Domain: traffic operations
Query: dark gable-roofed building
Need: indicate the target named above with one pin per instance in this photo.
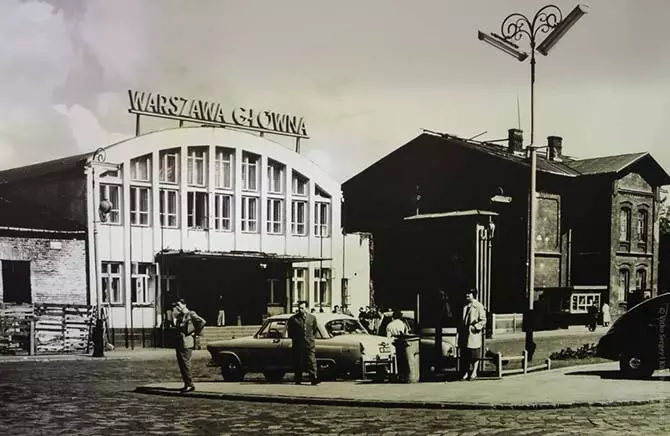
(447, 213)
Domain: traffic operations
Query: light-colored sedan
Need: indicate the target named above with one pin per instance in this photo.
(343, 349)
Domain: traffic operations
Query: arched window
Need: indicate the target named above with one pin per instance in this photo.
(641, 279)
(624, 223)
(642, 225)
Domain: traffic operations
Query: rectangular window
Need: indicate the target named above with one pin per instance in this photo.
(582, 301)
(624, 222)
(624, 284)
(223, 212)
(111, 283)
(299, 218)
(223, 168)
(168, 208)
(275, 178)
(322, 219)
(275, 291)
(112, 193)
(322, 287)
(642, 222)
(168, 167)
(249, 214)
(142, 283)
(197, 210)
(299, 184)
(140, 169)
(299, 285)
(250, 172)
(275, 219)
(139, 206)
(196, 162)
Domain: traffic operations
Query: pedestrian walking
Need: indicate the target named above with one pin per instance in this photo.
(221, 317)
(607, 318)
(302, 328)
(470, 334)
(592, 320)
(188, 324)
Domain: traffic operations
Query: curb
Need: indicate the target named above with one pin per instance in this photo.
(351, 402)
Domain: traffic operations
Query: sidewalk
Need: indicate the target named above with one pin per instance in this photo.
(118, 354)
(588, 385)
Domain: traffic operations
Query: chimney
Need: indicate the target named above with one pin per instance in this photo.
(515, 140)
(555, 144)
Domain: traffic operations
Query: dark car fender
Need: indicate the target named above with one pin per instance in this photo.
(221, 355)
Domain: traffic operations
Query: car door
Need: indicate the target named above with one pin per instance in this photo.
(265, 350)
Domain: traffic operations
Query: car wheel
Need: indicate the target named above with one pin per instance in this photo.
(636, 365)
(231, 370)
(274, 376)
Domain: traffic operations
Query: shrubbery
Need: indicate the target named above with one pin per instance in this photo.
(583, 352)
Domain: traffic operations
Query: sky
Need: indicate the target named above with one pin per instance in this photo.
(366, 75)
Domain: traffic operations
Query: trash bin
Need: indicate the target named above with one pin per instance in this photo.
(407, 355)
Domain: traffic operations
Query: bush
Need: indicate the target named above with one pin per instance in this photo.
(583, 352)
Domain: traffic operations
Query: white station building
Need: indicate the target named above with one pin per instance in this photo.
(223, 218)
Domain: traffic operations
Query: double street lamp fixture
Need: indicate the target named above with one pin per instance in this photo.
(514, 28)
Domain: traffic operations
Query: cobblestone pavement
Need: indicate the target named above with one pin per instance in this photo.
(96, 398)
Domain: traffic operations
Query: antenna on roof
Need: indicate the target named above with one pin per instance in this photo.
(477, 136)
(432, 132)
(518, 111)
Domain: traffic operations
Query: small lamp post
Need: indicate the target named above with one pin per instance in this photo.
(104, 209)
(514, 27)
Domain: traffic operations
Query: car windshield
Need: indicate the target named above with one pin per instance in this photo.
(273, 328)
(344, 326)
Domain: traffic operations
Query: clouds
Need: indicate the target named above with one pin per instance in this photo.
(367, 76)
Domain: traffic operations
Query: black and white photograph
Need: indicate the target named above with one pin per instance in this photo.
(353, 217)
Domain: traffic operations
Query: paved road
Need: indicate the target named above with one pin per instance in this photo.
(96, 398)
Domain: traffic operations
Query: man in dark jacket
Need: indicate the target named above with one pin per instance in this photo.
(188, 324)
(301, 329)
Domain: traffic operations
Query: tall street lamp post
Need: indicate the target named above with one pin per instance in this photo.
(514, 28)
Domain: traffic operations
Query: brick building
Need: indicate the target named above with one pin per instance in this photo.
(434, 209)
(42, 256)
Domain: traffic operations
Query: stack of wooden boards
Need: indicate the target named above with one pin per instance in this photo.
(15, 327)
(62, 329)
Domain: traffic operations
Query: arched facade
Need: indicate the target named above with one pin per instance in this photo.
(217, 217)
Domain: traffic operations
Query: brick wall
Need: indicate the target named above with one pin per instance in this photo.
(57, 267)
(633, 192)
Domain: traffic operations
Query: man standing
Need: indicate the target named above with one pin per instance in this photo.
(301, 329)
(188, 325)
(397, 327)
(470, 334)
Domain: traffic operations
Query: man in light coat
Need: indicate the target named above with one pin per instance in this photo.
(470, 334)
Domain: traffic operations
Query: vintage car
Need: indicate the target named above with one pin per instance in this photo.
(639, 339)
(343, 349)
(430, 363)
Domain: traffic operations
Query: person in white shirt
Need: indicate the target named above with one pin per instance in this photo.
(397, 327)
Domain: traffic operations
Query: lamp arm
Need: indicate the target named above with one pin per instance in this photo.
(515, 25)
(545, 19)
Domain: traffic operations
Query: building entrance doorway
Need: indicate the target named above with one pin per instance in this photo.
(16, 282)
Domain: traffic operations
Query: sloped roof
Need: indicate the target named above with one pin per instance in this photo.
(606, 164)
(18, 214)
(43, 168)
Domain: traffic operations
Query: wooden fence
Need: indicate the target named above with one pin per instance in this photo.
(16, 328)
(62, 329)
(45, 328)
